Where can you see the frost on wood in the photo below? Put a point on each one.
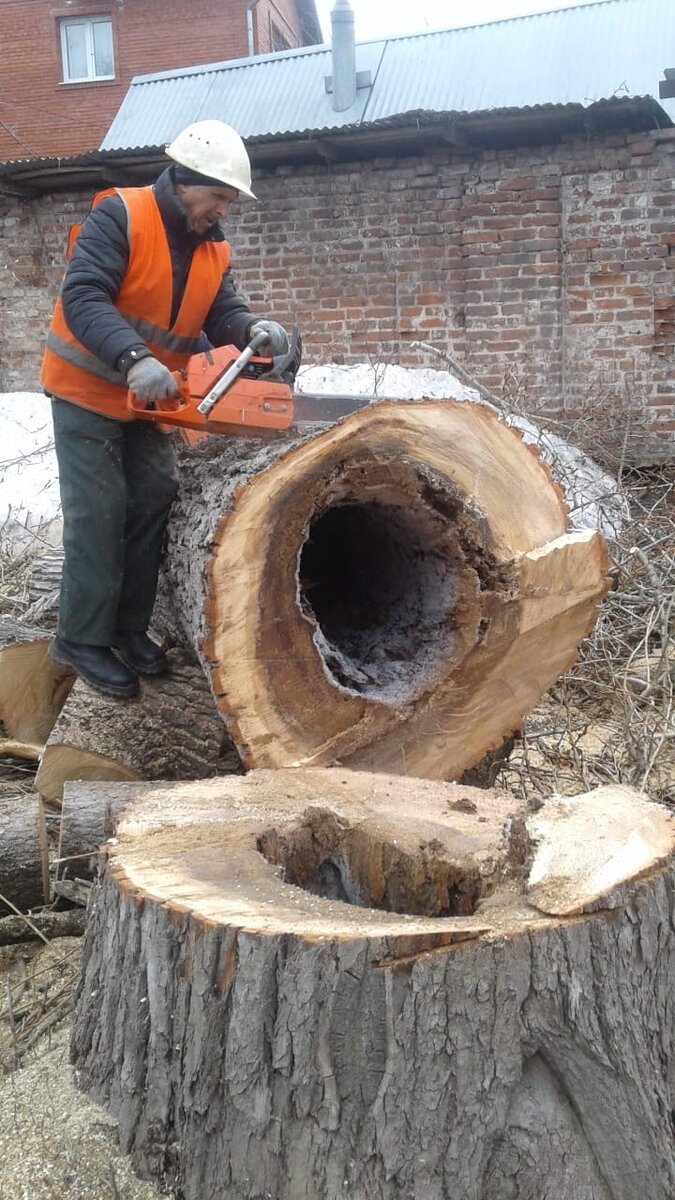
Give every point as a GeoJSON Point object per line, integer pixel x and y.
{"type": "Point", "coordinates": [311, 983]}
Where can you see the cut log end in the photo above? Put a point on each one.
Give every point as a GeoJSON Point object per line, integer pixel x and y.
{"type": "Point", "coordinates": [368, 580]}
{"type": "Point", "coordinates": [33, 689]}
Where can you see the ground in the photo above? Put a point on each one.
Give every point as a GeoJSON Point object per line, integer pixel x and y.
{"type": "Point", "coordinates": [55, 1143]}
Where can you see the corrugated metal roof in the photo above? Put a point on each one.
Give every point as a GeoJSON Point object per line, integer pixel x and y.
{"type": "Point", "coordinates": [570, 56]}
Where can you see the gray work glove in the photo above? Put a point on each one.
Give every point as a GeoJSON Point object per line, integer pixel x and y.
{"type": "Point", "coordinates": [278, 338]}
{"type": "Point", "coordinates": [150, 380]}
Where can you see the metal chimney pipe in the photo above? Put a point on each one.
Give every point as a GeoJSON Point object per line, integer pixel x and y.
{"type": "Point", "coordinates": [250, 38]}
{"type": "Point", "coordinates": [344, 56]}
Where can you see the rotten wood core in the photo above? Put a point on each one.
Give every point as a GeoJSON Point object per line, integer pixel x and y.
{"type": "Point", "coordinates": [392, 578]}
{"type": "Point", "coordinates": [334, 982]}
{"type": "Point", "coordinates": [393, 593]}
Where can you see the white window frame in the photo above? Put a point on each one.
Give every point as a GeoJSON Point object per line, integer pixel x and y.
{"type": "Point", "coordinates": [88, 22]}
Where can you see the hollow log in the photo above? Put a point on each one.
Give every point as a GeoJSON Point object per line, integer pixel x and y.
{"type": "Point", "coordinates": [311, 983]}
{"type": "Point", "coordinates": [171, 730]}
{"type": "Point", "coordinates": [24, 860]}
{"type": "Point", "coordinates": [33, 689]}
{"type": "Point", "coordinates": [392, 593]}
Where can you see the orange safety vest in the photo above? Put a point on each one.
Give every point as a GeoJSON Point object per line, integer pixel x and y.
{"type": "Point", "coordinates": [70, 371]}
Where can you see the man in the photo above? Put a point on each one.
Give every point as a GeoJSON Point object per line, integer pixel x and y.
{"type": "Point", "coordinates": [148, 276]}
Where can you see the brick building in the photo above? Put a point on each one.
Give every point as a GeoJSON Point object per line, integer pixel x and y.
{"type": "Point", "coordinates": [66, 66]}
{"type": "Point", "coordinates": [534, 243]}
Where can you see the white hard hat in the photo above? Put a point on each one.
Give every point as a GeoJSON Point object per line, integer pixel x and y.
{"type": "Point", "coordinates": [214, 149]}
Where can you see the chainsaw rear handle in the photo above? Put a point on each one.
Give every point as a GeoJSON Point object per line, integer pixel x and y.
{"type": "Point", "coordinates": [168, 404]}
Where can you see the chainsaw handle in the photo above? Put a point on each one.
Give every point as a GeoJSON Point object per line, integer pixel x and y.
{"type": "Point", "coordinates": [168, 404]}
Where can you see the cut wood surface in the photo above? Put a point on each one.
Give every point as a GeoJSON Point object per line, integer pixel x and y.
{"type": "Point", "coordinates": [170, 731]}
{"type": "Point", "coordinates": [33, 689]}
{"type": "Point", "coordinates": [316, 983]}
{"type": "Point", "coordinates": [393, 593]}
{"type": "Point", "coordinates": [24, 877]}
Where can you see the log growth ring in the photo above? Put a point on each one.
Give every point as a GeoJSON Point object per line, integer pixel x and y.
{"type": "Point", "coordinates": [354, 577]}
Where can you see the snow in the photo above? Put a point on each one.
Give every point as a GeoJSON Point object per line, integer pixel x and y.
{"type": "Point", "coordinates": [592, 496]}
{"type": "Point", "coordinates": [29, 494]}
{"type": "Point", "coordinates": [29, 481]}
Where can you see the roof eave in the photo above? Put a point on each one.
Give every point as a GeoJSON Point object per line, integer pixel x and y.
{"type": "Point", "coordinates": [403, 134]}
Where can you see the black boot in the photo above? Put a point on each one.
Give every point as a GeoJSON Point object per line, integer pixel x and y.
{"type": "Point", "coordinates": [97, 665]}
{"type": "Point", "coordinates": [140, 653]}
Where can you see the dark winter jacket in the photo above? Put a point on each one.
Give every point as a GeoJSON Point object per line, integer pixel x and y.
{"type": "Point", "coordinates": [97, 267]}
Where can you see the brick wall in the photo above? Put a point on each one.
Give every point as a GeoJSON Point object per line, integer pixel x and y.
{"type": "Point", "coordinates": [42, 116]}
{"type": "Point", "coordinates": [547, 271]}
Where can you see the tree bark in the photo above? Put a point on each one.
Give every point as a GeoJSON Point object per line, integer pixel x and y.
{"type": "Point", "coordinates": [24, 873]}
{"type": "Point", "coordinates": [69, 923]}
{"type": "Point", "coordinates": [32, 687]}
{"type": "Point", "coordinates": [89, 815]}
{"type": "Point", "coordinates": [394, 593]}
{"type": "Point", "coordinates": [170, 731]}
{"type": "Point", "coordinates": [308, 984]}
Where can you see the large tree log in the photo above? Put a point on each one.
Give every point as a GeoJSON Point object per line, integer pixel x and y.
{"type": "Point", "coordinates": [309, 984]}
{"type": "Point", "coordinates": [170, 731]}
{"type": "Point", "coordinates": [395, 592]}
{"type": "Point", "coordinates": [33, 689]}
{"type": "Point", "coordinates": [24, 860]}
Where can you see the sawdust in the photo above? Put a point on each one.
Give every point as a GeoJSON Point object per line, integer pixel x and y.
{"type": "Point", "coordinates": [55, 1142]}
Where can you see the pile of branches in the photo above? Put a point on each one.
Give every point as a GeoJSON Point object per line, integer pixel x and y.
{"type": "Point", "coordinates": [36, 995]}
{"type": "Point", "coordinates": [611, 718]}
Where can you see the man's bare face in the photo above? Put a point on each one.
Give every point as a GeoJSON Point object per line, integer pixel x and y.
{"type": "Point", "coordinates": [205, 205]}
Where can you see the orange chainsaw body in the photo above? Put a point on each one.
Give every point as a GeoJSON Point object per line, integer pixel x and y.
{"type": "Point", "coordinates": [250, 407]}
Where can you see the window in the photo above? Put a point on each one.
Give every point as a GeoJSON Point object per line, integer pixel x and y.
{"type": "Point", "coordinates": [279, 42]}
{"type": "Point", "coordinates": [87, 49]}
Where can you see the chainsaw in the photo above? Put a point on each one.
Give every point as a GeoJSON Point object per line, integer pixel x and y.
{"type": "Point", "coordinates": [243, 393]}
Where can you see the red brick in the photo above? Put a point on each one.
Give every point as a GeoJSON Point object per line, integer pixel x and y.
{"type": "Point", "coordinates": [44, 116]}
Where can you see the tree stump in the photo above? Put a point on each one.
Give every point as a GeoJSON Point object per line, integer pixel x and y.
{"type": "Point", "coordinates": [33, 689]}
{"type": "Point", "coordinates": [394, 593]}
{"type": "Point", "coordinates": [308, 984]}
{"type": "Point", "coordinates": [170, 731]}
{"type": "Point", "coordinates": [24, 861]}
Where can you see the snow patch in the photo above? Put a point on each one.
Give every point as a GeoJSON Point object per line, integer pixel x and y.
{"type": "Point", "coordinates": [592, 496]}
{"type": "Point", "coordinates": [29, 493]}
{"type": "Point", "coordinates": [29, 479]}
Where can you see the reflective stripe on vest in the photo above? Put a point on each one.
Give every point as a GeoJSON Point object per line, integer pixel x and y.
{"type": "Point", "coordinates": [163, 337]}
{"type": "Point", "coordinates": [144, 301]}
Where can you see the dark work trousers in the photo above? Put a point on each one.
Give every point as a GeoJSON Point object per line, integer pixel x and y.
{"type": "Point", "coordinates": [117, 480]}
